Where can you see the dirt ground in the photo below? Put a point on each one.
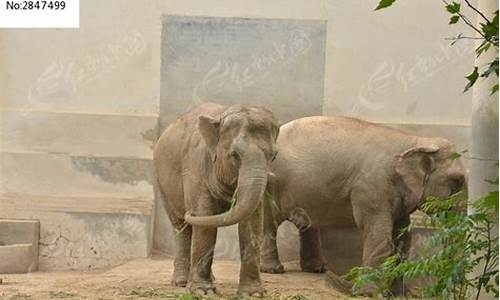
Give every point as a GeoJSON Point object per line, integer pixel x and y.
{"type": "Point", "coordinates": [150, 279]}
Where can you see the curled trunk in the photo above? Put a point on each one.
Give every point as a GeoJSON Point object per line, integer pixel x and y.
{"type": "Point", "coordinates": [252, 181]}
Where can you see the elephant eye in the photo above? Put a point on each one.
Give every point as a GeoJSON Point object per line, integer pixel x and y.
{"type": "Point", "coordinates": [457, 184]}
{"type": "Point", "coordinates": [234, 155]}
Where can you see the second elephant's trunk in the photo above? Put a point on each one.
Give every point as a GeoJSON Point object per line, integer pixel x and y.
{"type": "Point", "coordinates": [252, 181]}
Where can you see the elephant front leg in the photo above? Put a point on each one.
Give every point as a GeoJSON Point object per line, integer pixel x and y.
{"type": "Point", "coordinates": [250, 234]}
{"type": "Point", "coordinates": [400, 286]}
{"type": "Point", "coordinates": [377, 244]}
{"type": "Point", "coordinates": [202, 253]}
{"type": "Point", "coordinates": [311, 259]}
{"type": "Point", "coordinates": [182, 258]}
{"type": "Point", "coordinates": [270, 261]}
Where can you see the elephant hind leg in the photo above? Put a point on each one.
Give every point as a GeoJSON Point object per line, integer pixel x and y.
{"type": "Point", "coordinates": [311, 259]}
{"type": "Point", "coordinates": [182, 256]}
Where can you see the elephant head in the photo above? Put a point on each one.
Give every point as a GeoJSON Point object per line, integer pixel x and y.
{"type": "Point", "coordinates": [429, 170]}
{"type": "Point", "coordinates": [242, 144]}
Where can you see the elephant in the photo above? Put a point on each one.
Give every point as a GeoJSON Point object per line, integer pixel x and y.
{"type": "Point", "coordinates": [212, 167]}
{"type": "Point", "coordinates": [340, 172]}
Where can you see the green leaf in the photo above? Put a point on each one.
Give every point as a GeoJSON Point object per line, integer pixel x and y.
{"type": "Point", "coordinates": [490, 201]}
{"type": "Point", "coordinates": [454, 19]}
{"type": "Point", "coordinates": [455, 155]}
{"type": "Point", "coordinates": [494, 89]}
{"type": "Point", "coordinates": [485, 45]}
{"type": "Point", "coordinates": [384, 4]}
{"type": "Point", "coordinates": [189, 296]}
{"type": "Point", "coordinates": [495, 19]}
{"type": "Point", "coordinates": [453, 7]}
{"type": "Point", "coordinates": [490, 30]}
{"type": "Point", "coordinates": [472, 77]}
{"type": "Point", "coordinates": [492, 67]}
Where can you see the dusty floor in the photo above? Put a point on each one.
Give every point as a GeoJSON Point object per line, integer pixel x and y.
{"type": "Point", "coordinates": [150, 279]}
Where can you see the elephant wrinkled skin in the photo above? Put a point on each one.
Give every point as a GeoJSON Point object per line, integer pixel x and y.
{"type": "Point", "coordinates": [201, 159]}
{"type": "Point", "coordinates": [336, 172]}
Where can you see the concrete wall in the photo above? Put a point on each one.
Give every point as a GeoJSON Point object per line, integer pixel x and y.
{"type": "Point", "coordinates": [79, 109]}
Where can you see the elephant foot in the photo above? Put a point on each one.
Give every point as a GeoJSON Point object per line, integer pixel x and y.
{"type": "Point", "coordinates": [338, 283]}
{"type": "Point", "coordinates": [202, 288]}
{"type": "Point", "coordinates": [251, 290]}
{"type": "Point", "coordinates": [372, 291]}
{"type": "Point", "coordinates": [273, 268]}
{"type": "Point", "coordinates": [179, 280]}
{"type": "Point", "coordinates": [313, 267]}
{"type": "Point", "coordinates": [369, 291]}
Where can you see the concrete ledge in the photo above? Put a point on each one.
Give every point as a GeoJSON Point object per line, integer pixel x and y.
{"type": "Point", "coordinates": [19, 231]}
{"type": "Point", "coordinates": [18, 258]}
{"type": "Point", "coordinates": [28, 202]}
{"type": "Point", "coordinates": [63, 175]}
{"type": "Point", "coordinates": [87, 241]}
{"type": "Point", "coordinates": [110, 135]}
{"type": "Point", "coordinates": [19, 245]}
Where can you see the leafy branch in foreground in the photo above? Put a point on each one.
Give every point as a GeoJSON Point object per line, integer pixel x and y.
{"type": "Point", "coordinates": [460, 245]}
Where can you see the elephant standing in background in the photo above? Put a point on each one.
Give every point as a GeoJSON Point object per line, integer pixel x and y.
{"type": "Point", "coordinates": [201, 160]}
{"type": "Point", "coordinates": [336, 172]}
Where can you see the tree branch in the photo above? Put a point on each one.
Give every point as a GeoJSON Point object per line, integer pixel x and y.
{"type": "Point", "coordinates": [477, 11]}
{"type": "Point", "coordinates": [463, 38]}
{"type": "Point", "coordinates": [469, 23]}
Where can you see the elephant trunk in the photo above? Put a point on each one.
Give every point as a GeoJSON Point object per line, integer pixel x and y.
{"type": "Point", "coordinates": [252, 181]}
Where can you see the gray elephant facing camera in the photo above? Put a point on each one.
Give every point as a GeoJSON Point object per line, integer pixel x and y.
{"type": "Point", "coordinates": [201, 160]}
{"type": "Point", "coordinates": [335, 172]}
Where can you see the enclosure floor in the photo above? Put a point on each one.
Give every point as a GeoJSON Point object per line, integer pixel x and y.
{"type": "Point", "coordinates": [150, 279]}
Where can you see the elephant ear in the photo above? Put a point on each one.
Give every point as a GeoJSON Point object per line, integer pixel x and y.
{"type": "Point", "coordinates": [414, 166]}
{"type": "Point", "coordinates": [209, 129]}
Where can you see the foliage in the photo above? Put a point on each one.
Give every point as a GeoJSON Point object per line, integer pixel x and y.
{"type": "Point", "coordinates": [462, 256]}
{"type": "Point", "coordinates": [189, 296]}
{"type": "Point", "coordinates": [487, 34]}
{"type": "Point", "coordinates": [384, 4]}
{"type": "Point", "coordinates": [462, 244]}
{"type": "Point", "coordinates": [267, 198]}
